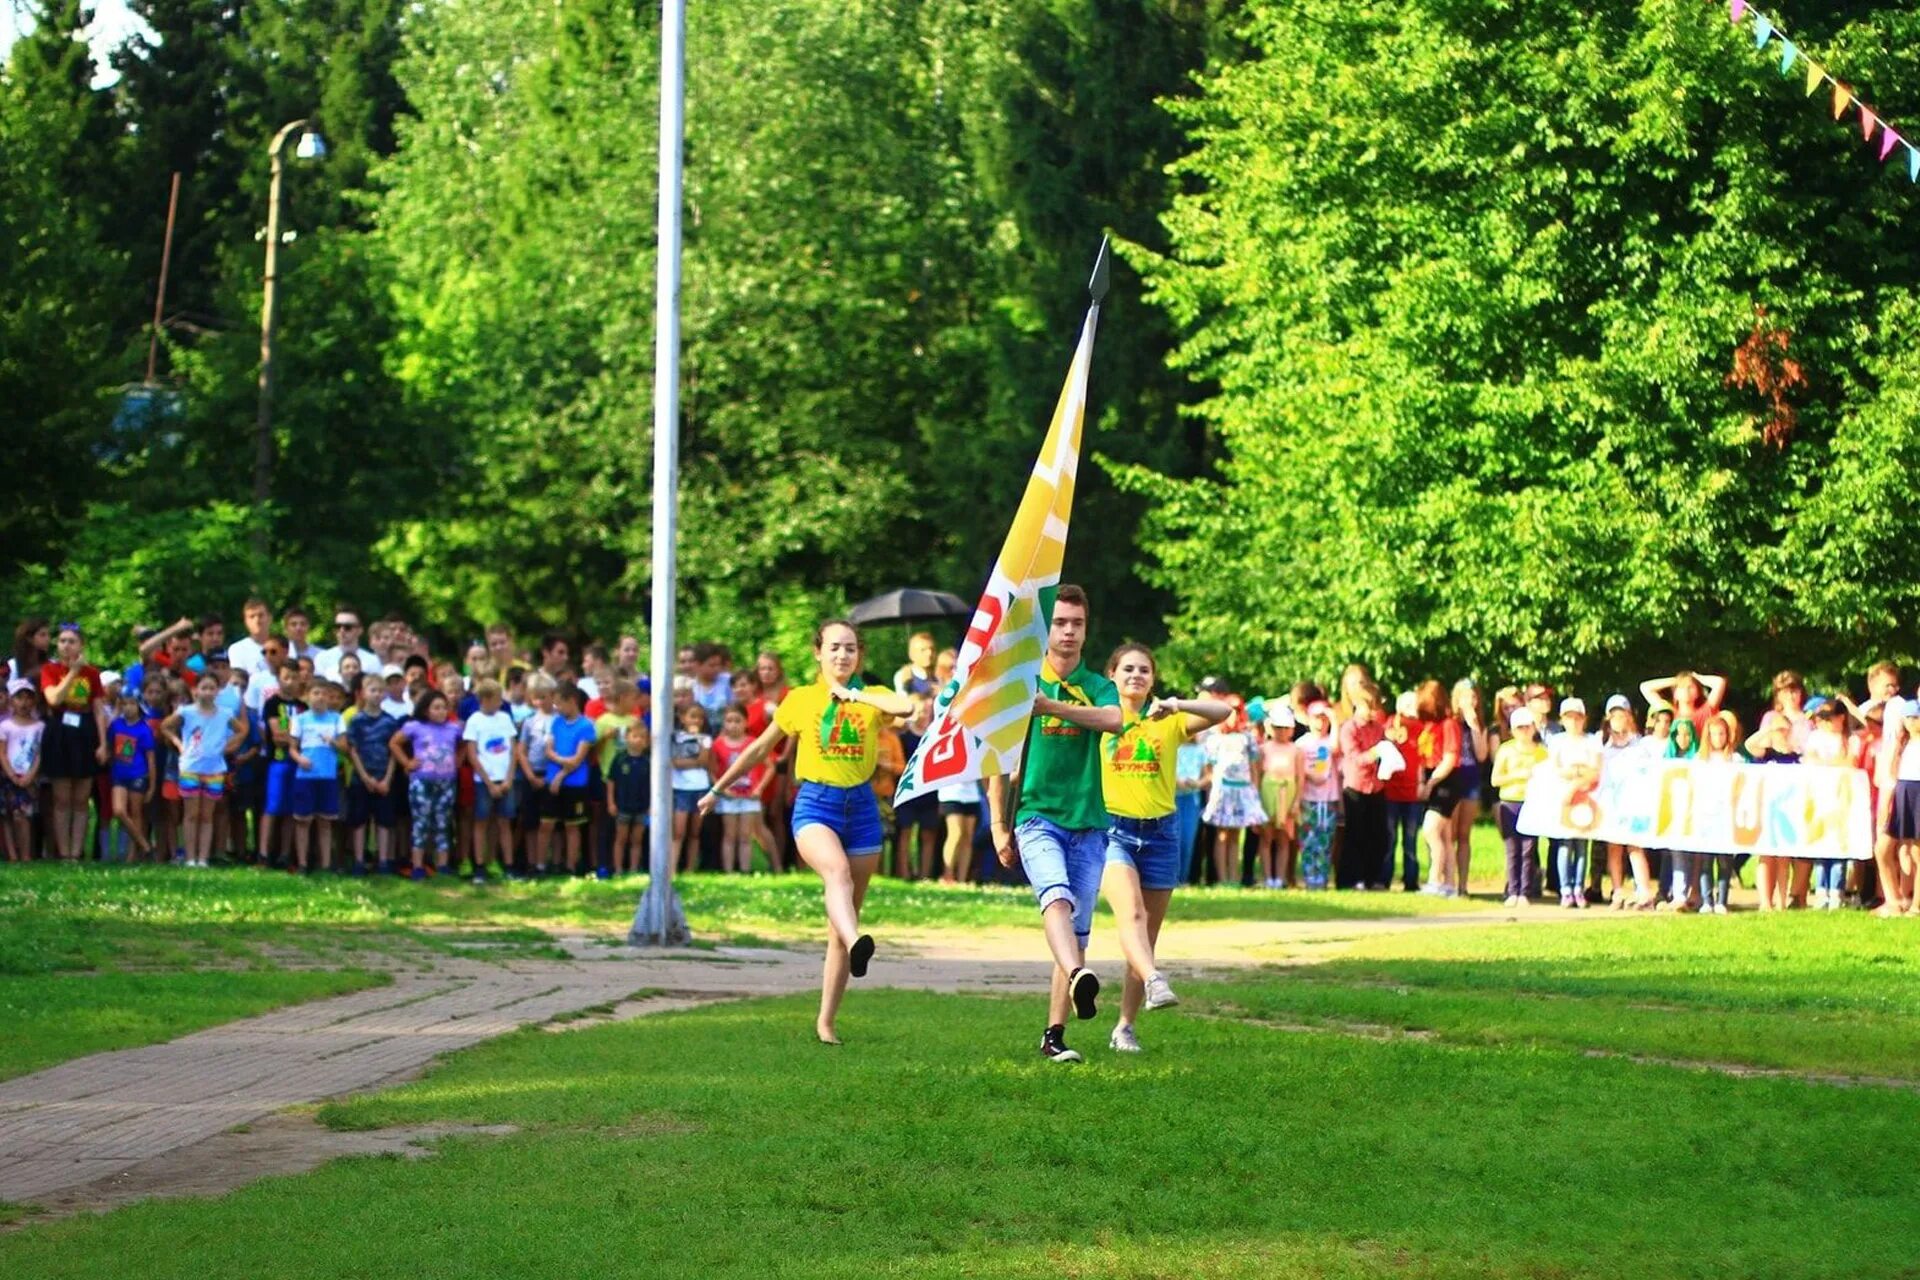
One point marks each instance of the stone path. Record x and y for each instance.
(96, 1121)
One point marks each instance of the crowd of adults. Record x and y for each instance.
(371, 753)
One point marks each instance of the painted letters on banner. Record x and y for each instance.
(1775, 810)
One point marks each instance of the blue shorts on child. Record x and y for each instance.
(316, 797)
(487, 806)
(279, 788)
(364, 805)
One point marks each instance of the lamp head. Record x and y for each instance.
(312, 146)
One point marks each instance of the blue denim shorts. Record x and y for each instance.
(1151, 846)
(1064, 865)
(487, 806)
(851, 813)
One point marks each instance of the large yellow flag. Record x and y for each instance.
(980, 719)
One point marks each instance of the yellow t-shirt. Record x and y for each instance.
(1138, 765)
(843, 753)
(611, 732)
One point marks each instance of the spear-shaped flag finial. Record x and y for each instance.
(1097, 286)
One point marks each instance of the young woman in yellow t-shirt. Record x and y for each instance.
(1145, 858)
(836, 819)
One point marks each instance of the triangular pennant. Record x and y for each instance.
(1762, 30)
(1841, 97)
(1868, 121)
(1888, 140)
(1913, 163)
(1787, 50)
(1737, 9)
(1814, 76)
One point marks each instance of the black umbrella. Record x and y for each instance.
(910, 604)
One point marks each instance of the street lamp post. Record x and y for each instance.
(311, 147)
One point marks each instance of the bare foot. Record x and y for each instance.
(825, 1033)
(1888, 910)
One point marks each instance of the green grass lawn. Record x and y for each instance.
(170, 913)
(1835, 993)
(723, 1142)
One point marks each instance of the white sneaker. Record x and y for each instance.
(1123, 1040)
(1513, 900)
(1159, 994)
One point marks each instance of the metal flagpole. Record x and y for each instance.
(660, 921)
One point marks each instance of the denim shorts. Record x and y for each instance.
(1151, 846)
(1064, 865)
(685, 801)
(851, 813)
(487, 806)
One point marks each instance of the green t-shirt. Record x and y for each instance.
(1060, 769)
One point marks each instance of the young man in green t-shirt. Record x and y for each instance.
(1059, 833)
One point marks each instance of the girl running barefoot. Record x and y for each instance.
(836, 819)
(1145, 861)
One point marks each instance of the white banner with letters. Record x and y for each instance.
(1775, 810)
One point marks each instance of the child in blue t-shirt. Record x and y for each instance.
(131, 756)
(312, 740)
(570, 741)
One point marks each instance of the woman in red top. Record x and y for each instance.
(1404, 810)
(75, 746)
(772, 677)
(1437, 740)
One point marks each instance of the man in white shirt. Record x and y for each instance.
(248, 654)
(297, 624)
(346, 635)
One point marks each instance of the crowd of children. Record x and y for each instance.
(1336, 803)
(371, 755)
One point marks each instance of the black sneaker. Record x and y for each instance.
(1053, 1046)
(1084, 985)
(860, 955)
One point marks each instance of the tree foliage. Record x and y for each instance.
(1471, 287)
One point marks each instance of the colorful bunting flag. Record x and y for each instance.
(980, 719)
(1764, 29)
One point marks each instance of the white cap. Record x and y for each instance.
(1572, 707)
(109, 679)
(19, 684)
(391, 670)
(1618, 702)
(1901, 709)
(1521, 719)
(1280, 715)
(1407, 704)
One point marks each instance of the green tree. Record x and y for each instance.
(1491, 302)
(57, 312)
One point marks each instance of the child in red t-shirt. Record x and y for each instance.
(739, 808)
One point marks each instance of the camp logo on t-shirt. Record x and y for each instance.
(1053, 728)
(844, 741)
(1133, 754)
(125, 749)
